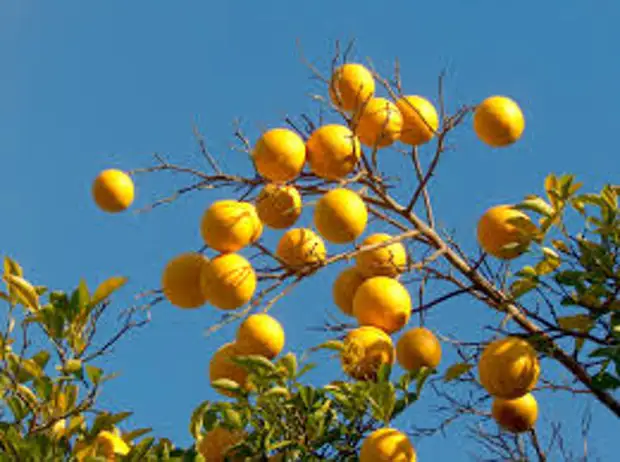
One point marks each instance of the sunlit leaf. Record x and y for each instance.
(456, 370)
(106, 288)
(579, 322)
(25, 292)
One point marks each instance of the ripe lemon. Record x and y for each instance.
(113, 190)
(378, 123)
(508, 368)
(181, 280)
(365, 349)
(260, 334)
(340, 216)
(498, 121)
(387, 444)
(417, 348)
(389, 260)
(214, 445)
(515, 415)
(229, 225)
(382, 302)
(333, 151)
(351, 84)
(420, 120)
(299, 247)
(279, 155)
(221, 367)
(228, 281)
(344, 288)
(503, 225)
(278, 206)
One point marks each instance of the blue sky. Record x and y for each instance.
(91, 85)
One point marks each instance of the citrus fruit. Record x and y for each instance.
(502, 226)
(344, 288)
(388, 260)
(299, 247)
(260, 334)
(221, 367)
(181, 280)
(387, 444)
(279, 155)
(333, 151)
(378, 123)
(229, 225)
(498, 121)
(215, 444)
(508, 368)
(365, 349)
(278, 206)
(113, 190)
(340, 216)
(420, 120)
(515, 415)
(417, 348)
(351, 84)
(228, 281)
(382, 302)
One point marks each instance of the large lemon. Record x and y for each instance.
(340, 216)
(498, 121)
(365, 349)
(333, 151)
(387, 444)
(508, 368)
(279, 155)
(214, 445)
(228, 281)
(344, 288)
(278, 206)
(229, 225)
(420, 120)
(113, 190)
(417, 348)
(378, 123)
(351, 84)
(388, 260)
(181, 280)
(516, 415)
(299, 247)
(260, 334)
(502, 226)
(382, 302)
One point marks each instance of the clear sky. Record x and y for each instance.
(91, 85)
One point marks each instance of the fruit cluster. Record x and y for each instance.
(369, 290)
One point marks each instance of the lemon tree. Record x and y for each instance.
(552, 285)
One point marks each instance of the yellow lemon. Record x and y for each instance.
(420, 120)
(340, 216)
(113, 190)
(278, 206)
(181, 280)
(228, 281)
(333, 151)
(279, 155)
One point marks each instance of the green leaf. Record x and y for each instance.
(106, 288)
(536, 204)
(196, 420)
(289, 362)
(227, 385)
(605, 381)
(579, 322)
(456, 370)
(132, 435)
(520, 287)
(423, 375)
(94, 374)
(24, 292)
(550, 262)
(568, 277)
(383, 373)
(41, 358)
(254, 363)
(232, 418)
(305, 369)
(335, 345)
(12, 267)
